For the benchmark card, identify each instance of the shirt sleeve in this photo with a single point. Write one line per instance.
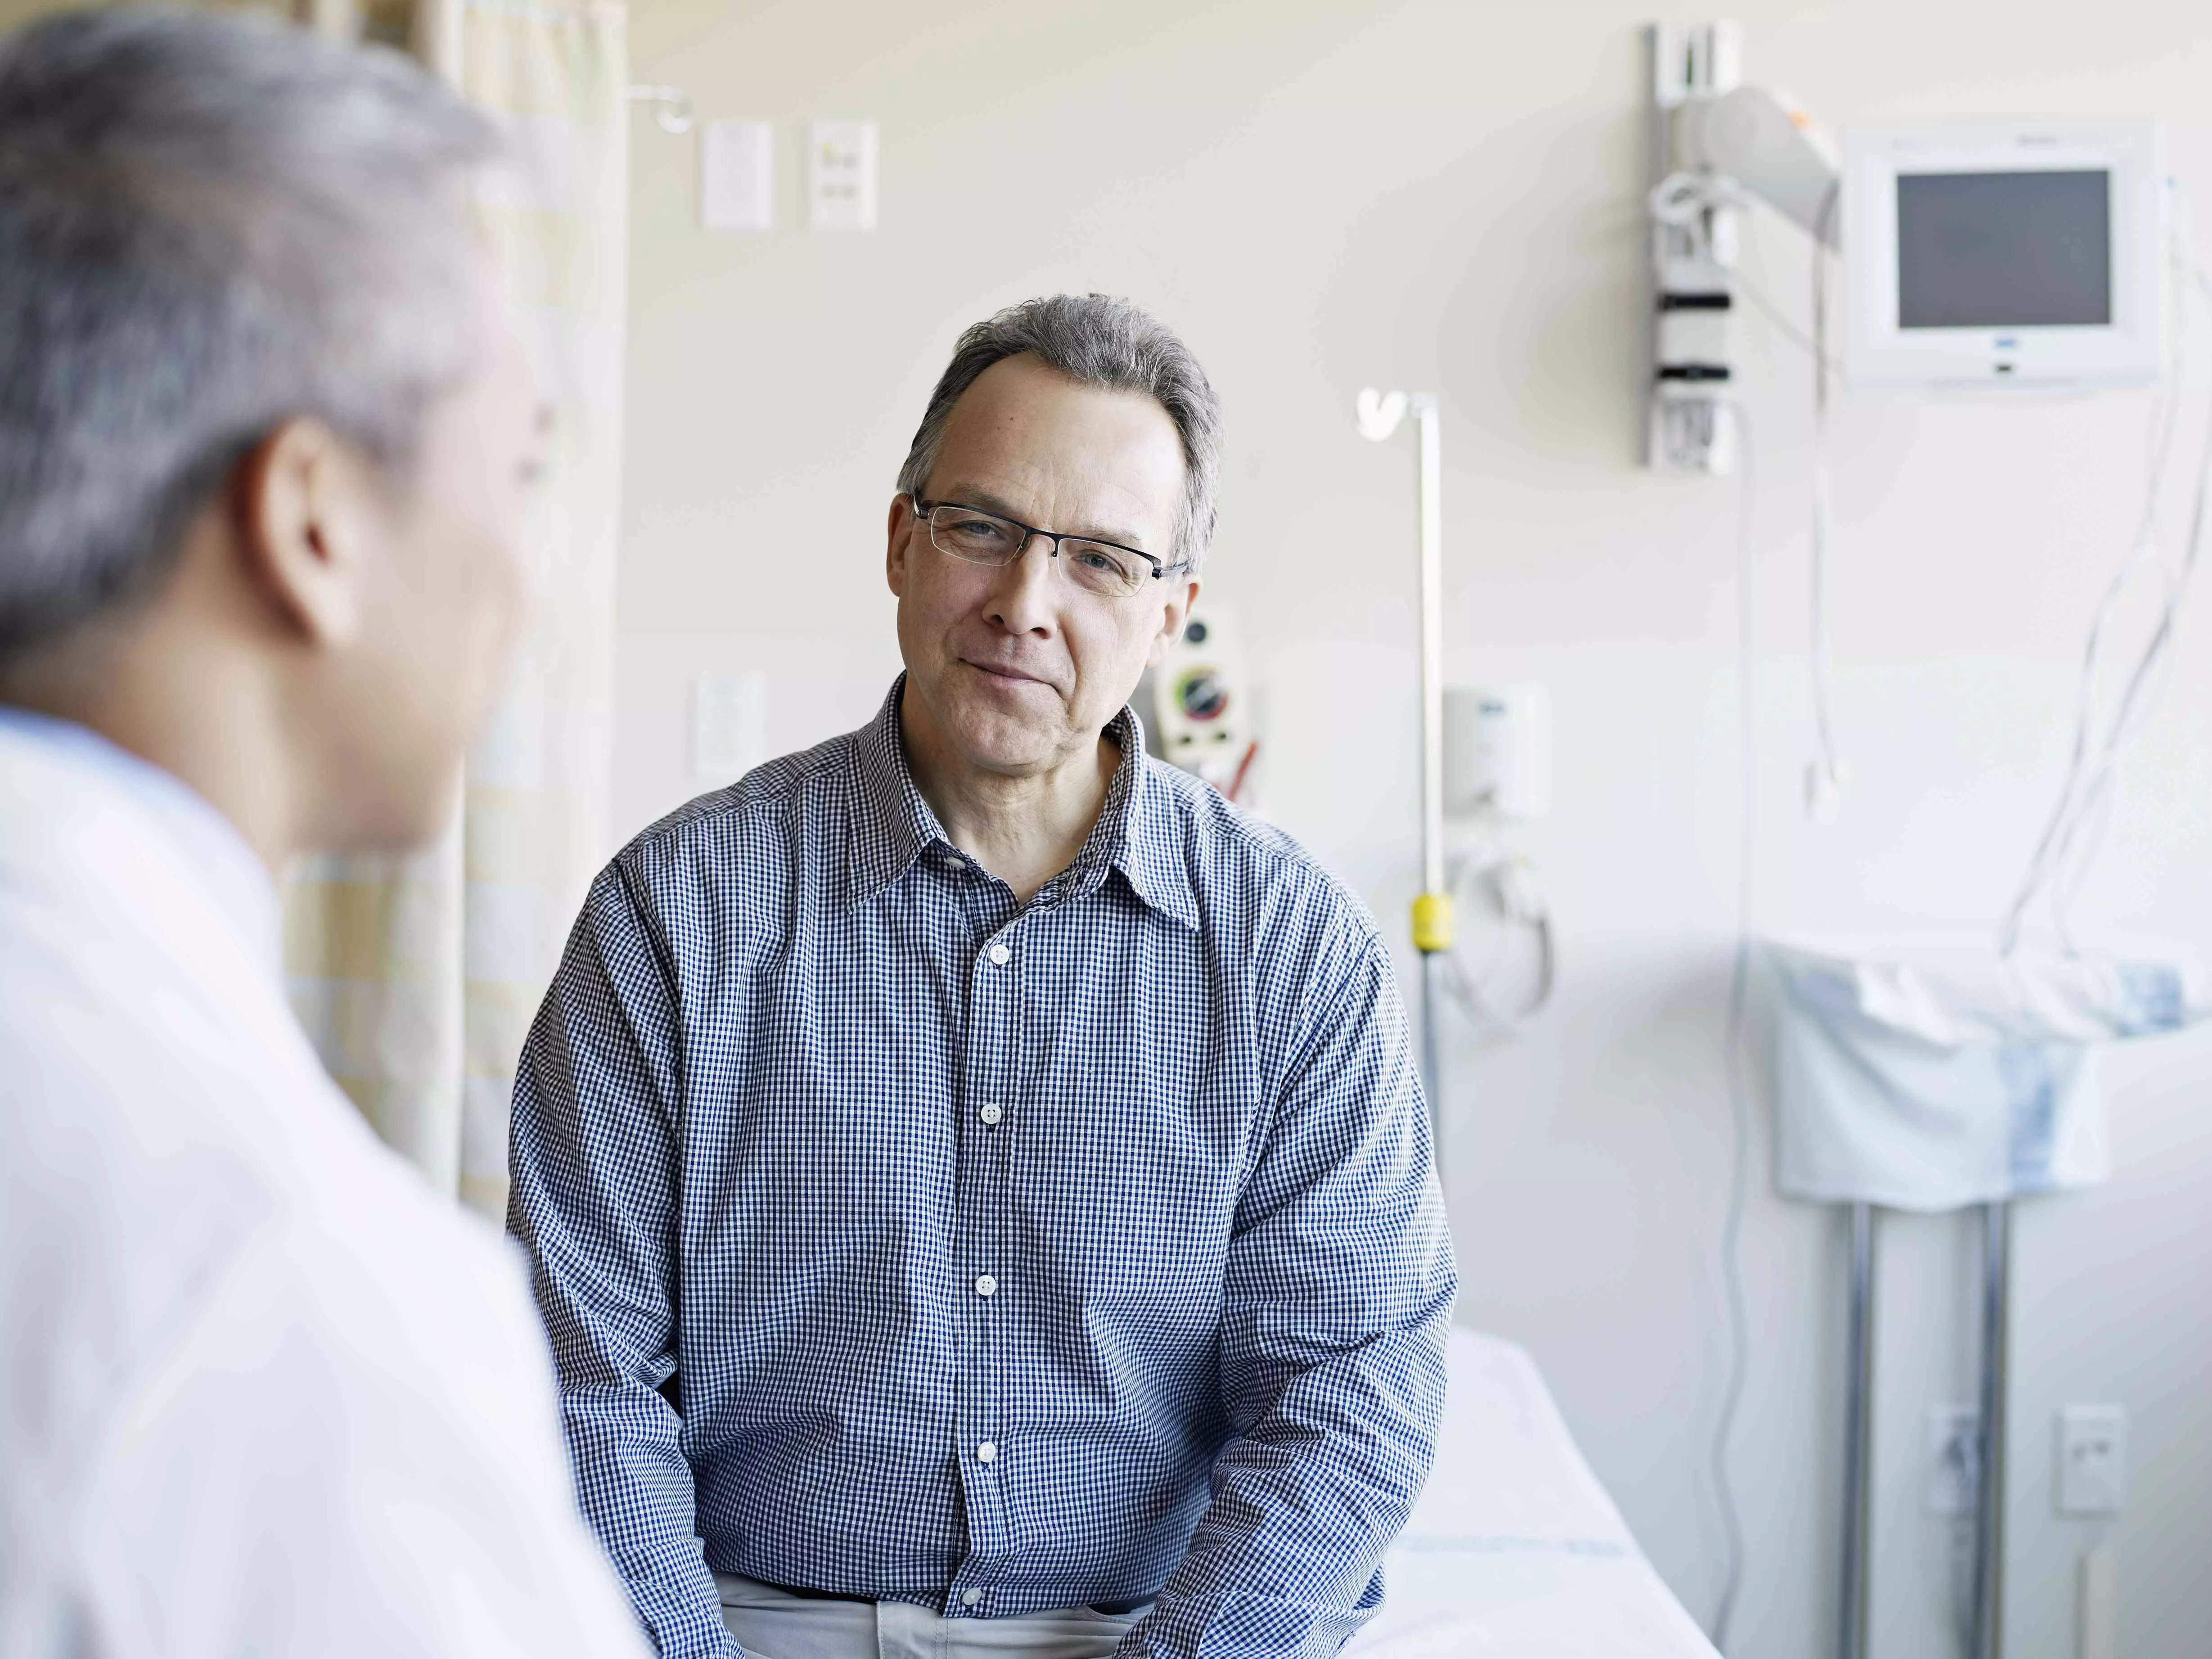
(1337, 1302)
(593, 1154)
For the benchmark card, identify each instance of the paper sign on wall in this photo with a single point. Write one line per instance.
(737, 176)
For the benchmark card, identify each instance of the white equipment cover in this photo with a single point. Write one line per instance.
(1933, 1077)
(1515, 1548)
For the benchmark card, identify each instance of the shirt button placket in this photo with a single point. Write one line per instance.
(995, 1028)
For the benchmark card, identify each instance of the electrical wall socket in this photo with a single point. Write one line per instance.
(1955, 1459)
(2093, 1459)
(842, 174)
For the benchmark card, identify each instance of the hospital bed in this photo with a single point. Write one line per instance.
(1515, 1548)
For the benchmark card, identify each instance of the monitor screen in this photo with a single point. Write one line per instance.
(2004, 250)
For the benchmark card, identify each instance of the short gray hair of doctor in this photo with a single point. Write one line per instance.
(209, 225)
(1100, 341)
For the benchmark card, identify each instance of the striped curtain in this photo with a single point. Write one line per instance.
(416, 977)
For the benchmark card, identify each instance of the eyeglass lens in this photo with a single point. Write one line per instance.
(981, 537)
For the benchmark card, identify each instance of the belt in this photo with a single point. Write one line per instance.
(1111, 1609)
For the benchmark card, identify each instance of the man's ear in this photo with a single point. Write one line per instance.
(898, 532)
(303, 502)
(1176, 614)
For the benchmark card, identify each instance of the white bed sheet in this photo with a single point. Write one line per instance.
(1514, 1548)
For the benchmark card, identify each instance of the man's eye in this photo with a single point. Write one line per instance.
(978, 533)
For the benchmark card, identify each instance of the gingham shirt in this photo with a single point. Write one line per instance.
(898, 1240)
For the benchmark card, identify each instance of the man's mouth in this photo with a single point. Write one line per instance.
(1010, 676)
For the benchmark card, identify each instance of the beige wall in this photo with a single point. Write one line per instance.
(1446, 194)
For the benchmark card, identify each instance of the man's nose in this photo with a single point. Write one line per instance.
(1022, 602)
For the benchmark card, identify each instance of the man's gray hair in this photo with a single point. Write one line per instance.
(1099, 341)
(209, 225)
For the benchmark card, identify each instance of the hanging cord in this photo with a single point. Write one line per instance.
(1739, 1327)
(2074, 832)
(1521, 903)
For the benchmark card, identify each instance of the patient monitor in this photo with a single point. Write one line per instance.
(2004, 252)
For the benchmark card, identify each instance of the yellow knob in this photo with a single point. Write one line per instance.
(1432, 922)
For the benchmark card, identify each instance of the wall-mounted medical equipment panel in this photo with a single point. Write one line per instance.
(1203, 707)
(2004, 253)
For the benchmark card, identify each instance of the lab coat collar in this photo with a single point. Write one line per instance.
(61, 784)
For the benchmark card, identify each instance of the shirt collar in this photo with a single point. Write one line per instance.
(893, 825)
(1152, 855)
(229, 872)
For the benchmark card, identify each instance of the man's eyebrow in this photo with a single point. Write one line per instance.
(963, 496)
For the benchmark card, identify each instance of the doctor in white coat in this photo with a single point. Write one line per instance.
(265, 433)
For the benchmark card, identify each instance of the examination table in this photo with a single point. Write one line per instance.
(1515, 1548)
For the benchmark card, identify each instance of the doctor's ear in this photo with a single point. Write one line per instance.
(304, 505)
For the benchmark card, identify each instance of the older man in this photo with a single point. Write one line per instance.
(977, 1186)
(265, 433)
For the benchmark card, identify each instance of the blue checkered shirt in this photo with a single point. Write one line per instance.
(898, 1240)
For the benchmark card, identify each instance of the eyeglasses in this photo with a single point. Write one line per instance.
(975, 536)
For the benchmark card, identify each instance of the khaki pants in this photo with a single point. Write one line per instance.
(773, 1624)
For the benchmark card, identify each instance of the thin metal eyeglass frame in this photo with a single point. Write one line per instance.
(926, 510)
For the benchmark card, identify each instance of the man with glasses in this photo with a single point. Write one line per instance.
(976, 1179)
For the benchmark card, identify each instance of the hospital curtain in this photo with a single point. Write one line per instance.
(417, 977)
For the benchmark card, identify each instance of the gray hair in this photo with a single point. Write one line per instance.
(1103, 342)
(209, 225)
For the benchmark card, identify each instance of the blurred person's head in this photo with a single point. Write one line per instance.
(266, 427)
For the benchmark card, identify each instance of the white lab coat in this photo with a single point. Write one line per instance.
(263, 1393)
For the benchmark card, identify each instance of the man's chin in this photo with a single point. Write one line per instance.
(998, 740)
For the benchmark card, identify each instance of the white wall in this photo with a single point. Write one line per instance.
(1446, 195)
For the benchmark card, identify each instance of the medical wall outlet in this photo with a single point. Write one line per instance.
(842, 175)
(1717, 147)
(1202, 701)
(2093, 1459)
(1498, 751)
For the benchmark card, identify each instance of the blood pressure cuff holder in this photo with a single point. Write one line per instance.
(1933, 1077)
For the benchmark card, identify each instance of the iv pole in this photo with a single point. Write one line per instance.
(1379, 414)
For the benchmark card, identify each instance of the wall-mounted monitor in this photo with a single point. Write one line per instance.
(2004, 253)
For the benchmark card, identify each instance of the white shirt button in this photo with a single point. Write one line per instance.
(970, 1596)
(987, 1285)
(1000, 956)
(992, 1114)
(987, 1452)
(954, 862)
